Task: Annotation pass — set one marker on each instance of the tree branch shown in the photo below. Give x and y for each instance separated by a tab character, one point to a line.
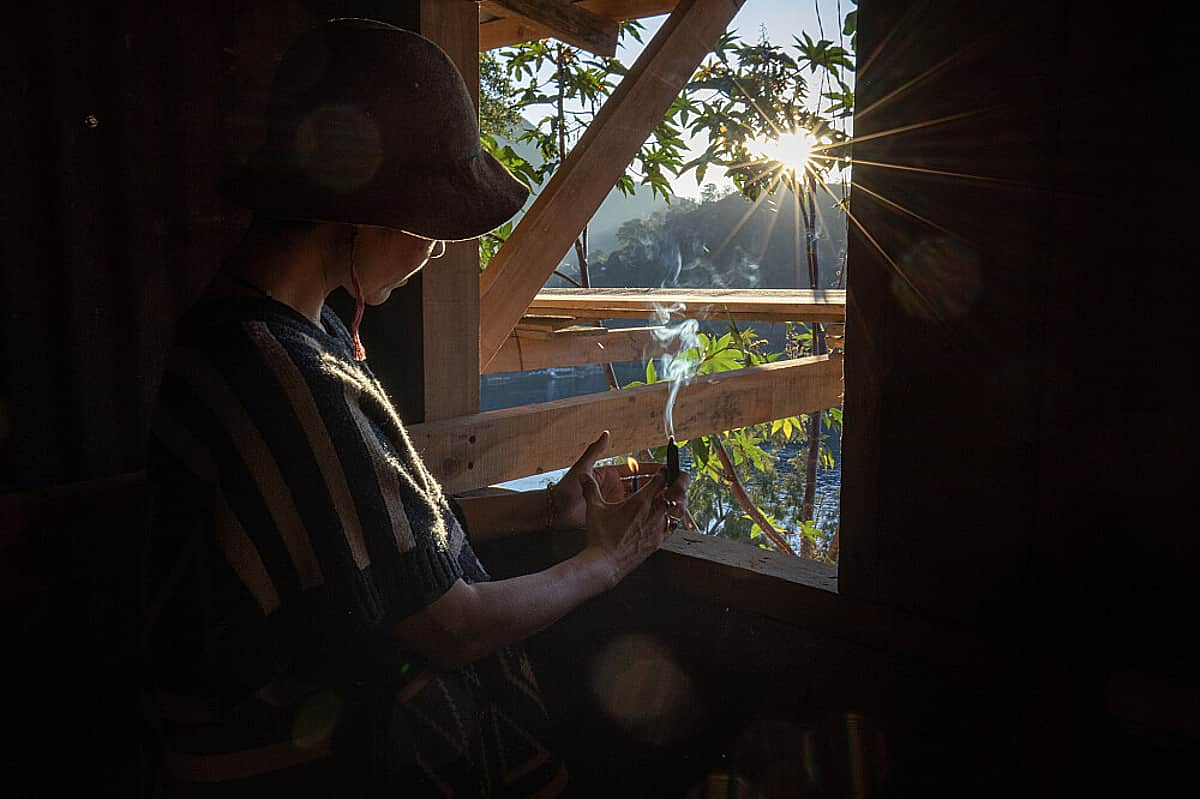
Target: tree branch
568	278
743	498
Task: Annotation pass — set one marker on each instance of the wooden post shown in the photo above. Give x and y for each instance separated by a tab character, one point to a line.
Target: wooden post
450	285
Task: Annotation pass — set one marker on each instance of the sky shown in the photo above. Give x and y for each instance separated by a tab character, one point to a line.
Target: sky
782	19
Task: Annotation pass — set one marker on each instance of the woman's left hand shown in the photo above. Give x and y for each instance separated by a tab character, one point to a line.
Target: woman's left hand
568	510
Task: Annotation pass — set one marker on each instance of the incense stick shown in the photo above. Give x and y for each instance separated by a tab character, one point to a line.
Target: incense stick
672	460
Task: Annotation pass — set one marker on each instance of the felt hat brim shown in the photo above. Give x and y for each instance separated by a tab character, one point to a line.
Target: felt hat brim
457	202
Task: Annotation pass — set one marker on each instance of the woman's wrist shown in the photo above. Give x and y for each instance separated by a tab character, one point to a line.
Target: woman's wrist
600	567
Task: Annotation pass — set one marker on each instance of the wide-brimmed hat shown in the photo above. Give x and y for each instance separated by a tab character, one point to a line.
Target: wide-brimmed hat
371	124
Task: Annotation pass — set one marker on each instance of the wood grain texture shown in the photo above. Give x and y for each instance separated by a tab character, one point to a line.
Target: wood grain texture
522	265
450	285
773	305
571	347
563	20
468	452
498	29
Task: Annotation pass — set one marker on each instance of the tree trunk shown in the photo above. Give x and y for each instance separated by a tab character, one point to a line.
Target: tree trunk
743	498
818	348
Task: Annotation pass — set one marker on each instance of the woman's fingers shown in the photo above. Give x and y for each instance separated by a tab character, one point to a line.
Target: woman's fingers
592	494
594	451
612	487
649	501
679	487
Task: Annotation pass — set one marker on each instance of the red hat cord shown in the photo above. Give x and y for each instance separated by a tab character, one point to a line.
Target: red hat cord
360	353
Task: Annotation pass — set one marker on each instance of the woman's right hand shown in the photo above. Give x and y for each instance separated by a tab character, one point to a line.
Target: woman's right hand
629	531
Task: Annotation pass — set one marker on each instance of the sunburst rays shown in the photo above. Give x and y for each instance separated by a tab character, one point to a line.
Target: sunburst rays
804	162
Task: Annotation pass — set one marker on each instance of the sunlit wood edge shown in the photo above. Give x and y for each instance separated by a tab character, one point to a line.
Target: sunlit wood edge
468	452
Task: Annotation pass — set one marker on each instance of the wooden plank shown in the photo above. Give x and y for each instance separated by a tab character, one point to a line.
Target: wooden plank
527	259
496	29
545	323
570	348
768	305
563	20
573	329
468	452
765	562
450	285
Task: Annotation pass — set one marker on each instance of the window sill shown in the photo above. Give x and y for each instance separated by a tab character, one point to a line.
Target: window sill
760	562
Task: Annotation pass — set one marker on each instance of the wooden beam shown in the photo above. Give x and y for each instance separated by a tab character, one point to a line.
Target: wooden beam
473	451
527	259
563	20
450	285
569	348
544	323
766	305
497	29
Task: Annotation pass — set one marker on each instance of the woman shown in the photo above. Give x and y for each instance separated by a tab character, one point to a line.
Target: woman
318	621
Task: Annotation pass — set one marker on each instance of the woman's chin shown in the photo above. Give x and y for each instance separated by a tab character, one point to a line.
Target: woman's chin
379	297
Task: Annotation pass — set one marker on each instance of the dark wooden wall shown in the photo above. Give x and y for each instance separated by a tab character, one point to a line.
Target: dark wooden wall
1019	436
1020	380
120	121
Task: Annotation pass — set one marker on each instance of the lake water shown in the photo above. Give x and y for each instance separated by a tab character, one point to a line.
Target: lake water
508	389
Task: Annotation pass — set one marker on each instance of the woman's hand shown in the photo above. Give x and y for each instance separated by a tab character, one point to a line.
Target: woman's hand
568	510
627	532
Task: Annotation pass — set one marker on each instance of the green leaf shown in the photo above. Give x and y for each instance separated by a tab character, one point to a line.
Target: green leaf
851	26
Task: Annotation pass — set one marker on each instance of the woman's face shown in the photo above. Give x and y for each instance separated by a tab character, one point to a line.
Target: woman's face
386	259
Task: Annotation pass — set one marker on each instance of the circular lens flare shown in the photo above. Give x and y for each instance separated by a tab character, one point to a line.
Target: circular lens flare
791	150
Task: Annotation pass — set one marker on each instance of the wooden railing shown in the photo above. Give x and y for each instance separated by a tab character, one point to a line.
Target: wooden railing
762	305
477	450
467	452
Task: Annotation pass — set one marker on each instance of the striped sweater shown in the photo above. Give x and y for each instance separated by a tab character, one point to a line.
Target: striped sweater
293	526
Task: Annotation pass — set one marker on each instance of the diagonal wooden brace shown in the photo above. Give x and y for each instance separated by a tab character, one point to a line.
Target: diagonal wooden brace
547	230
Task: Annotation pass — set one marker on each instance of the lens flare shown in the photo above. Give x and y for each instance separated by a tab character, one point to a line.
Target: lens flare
791	150
639	684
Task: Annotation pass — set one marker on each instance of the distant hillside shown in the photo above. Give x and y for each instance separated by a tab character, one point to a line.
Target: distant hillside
729	243
641	240
612	213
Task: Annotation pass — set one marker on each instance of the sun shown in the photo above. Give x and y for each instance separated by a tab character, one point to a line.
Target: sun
791	150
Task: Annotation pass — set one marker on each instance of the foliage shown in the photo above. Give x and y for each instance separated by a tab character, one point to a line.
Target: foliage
497	117
754	449
744	95
545	93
